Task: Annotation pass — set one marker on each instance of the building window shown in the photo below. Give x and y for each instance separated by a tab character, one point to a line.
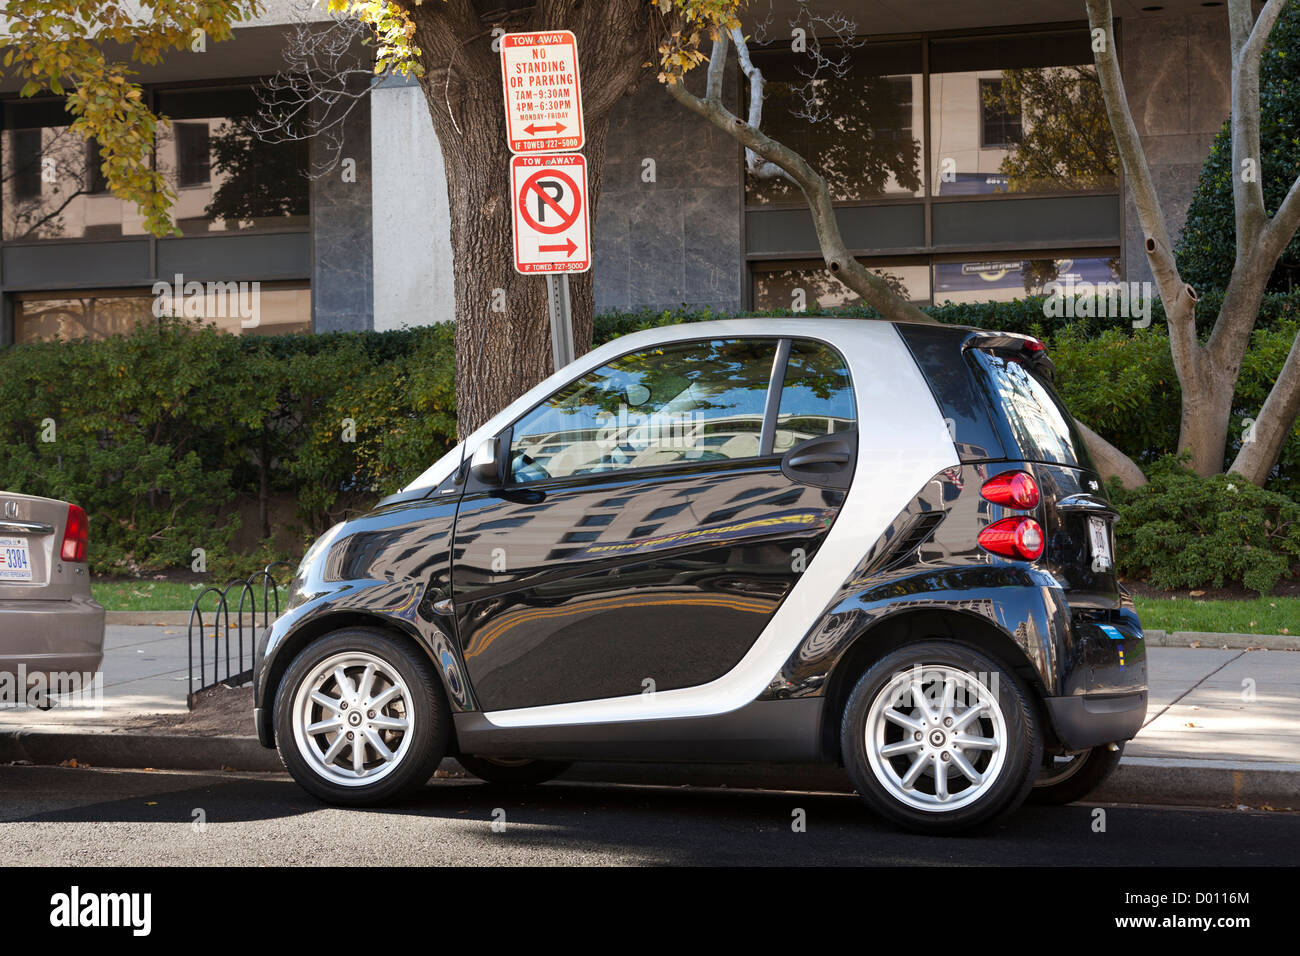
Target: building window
1000	116
25	146
808	287
95	181
236	308
789	285
193	154
1008	278
1021	113
862	130
232	179
225	177
53	183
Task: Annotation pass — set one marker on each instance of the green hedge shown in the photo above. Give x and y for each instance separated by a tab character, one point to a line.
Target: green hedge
1183	531
158	433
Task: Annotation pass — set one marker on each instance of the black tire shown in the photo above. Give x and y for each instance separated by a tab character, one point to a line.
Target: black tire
424	706
1013	765
1072	781
514	772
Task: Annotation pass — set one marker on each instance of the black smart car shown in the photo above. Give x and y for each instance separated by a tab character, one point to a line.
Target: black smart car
881	545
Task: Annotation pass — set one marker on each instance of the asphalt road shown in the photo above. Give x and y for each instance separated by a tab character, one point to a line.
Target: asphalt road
65	816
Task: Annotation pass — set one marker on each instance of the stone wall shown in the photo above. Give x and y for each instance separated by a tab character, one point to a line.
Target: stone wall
1177	72
342	267
412	221
678	239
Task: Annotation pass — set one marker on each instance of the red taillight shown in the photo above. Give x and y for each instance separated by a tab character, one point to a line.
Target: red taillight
75	535
1015	489
1033	345
1020	538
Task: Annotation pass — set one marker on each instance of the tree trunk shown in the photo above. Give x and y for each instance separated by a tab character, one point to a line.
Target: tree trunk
503	340
1262	445
1110	461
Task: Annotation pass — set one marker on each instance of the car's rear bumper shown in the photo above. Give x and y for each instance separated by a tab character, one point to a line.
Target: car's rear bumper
46	637
1103	681
1089	720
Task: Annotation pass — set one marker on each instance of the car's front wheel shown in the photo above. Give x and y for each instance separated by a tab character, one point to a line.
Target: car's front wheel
361	718
937	737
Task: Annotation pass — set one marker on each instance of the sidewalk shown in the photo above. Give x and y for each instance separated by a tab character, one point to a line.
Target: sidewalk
1223	727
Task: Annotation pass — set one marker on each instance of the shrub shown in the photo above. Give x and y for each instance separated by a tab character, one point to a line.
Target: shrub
156	433
1184	531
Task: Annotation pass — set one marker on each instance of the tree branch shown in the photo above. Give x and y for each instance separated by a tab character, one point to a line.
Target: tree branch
1247	42
1179	298
874	290
1273	424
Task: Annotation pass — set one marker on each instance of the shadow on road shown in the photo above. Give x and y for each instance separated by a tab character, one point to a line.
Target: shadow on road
566	822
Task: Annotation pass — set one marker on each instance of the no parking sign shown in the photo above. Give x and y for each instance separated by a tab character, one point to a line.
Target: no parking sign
551	219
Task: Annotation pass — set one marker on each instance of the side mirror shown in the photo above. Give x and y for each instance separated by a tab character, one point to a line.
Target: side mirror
486	463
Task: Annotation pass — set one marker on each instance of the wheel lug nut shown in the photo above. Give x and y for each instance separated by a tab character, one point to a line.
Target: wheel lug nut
349	735
947	721
944	756
917	735
345	705
370	714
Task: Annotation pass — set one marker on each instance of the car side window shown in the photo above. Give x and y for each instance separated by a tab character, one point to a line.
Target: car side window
816	396
688	401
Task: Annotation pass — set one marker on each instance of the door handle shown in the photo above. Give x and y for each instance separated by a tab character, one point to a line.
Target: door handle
819	458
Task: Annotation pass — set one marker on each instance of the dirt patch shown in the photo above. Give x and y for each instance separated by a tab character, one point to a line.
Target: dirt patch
1283	589
219	711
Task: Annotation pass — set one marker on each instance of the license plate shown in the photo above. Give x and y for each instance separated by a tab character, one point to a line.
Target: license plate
1099	533
15	560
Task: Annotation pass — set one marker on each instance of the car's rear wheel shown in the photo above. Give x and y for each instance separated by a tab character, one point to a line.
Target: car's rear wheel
360	718
509	770
938	737
1074	776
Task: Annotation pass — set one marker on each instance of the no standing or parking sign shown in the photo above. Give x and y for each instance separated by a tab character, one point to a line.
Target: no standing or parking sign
543	92
552	224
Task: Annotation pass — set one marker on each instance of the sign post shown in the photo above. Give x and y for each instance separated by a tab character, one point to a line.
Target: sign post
548	182
557	294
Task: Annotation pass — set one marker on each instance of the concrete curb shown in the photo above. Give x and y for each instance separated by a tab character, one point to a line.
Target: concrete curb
149	618
1205	783
133	750
1270	642
1139	780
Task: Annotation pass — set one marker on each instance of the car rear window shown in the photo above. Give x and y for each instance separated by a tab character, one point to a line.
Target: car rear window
1036	420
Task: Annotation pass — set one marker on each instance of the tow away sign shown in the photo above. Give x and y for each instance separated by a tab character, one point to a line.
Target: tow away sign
543	92
549	198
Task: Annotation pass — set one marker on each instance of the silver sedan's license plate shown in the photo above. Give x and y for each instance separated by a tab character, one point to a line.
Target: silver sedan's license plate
1099	533
15	560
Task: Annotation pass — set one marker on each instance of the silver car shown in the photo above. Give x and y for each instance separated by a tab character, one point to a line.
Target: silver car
49	624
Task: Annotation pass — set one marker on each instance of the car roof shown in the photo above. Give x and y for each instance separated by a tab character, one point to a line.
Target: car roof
816	325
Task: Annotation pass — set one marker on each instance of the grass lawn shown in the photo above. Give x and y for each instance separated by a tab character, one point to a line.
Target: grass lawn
164	596
1268	615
